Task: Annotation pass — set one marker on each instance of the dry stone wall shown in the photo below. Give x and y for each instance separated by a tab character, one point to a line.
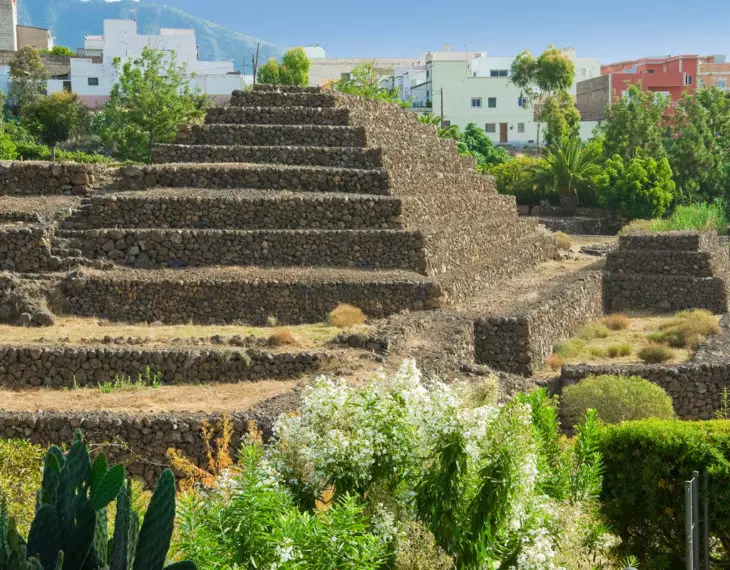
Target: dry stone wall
26	248
23	366
278	116
696	389
273	135
33	178
152	248
520	342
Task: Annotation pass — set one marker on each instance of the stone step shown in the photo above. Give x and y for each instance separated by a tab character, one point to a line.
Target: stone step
256	176
206	209
642	261
278	116
339	157
250	295
160	248
285	88
281	99
273	135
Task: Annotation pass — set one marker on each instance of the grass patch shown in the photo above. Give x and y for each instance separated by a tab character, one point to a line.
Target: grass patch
656	354
563	241
21	469
593	330
344	315
616	322
619	350
570	348
147	379
597	352
700	217
687	329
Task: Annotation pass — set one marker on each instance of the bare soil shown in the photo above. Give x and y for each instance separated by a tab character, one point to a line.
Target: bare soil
196	398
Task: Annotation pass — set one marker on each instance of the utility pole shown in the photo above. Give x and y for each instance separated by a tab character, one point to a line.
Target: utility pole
442	107
255	62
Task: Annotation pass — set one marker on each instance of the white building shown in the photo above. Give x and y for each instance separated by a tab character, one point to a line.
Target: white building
93	77
473	87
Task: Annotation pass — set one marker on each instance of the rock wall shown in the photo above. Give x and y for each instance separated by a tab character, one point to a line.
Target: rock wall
272	135
520	342
443	196
25	248
581	226
696	389
23	366
32	178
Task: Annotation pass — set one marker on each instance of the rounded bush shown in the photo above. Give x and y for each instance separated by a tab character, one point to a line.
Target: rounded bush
616	399
655	354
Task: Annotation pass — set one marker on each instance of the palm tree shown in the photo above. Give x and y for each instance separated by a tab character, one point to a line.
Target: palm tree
566	168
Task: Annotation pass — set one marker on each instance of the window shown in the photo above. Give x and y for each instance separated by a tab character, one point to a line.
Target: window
521	102
722	83
499	73
476	102
688	80
93	81
67	86
428	74
492	102
700	83
445	124
490	128
520	127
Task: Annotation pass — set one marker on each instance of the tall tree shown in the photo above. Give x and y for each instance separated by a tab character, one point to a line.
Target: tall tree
294	69
268	72
541	78
28	79
635	124
699	148
149	102
562	119
54	119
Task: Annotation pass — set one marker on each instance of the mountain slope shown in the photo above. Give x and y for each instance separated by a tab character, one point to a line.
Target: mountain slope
70	20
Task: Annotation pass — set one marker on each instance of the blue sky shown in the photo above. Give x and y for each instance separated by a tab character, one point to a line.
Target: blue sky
609	30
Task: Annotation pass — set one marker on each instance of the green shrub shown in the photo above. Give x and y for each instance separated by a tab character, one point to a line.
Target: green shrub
687	329
616	399
593	330
8	150
616	322
597	352
646	465
699	216
655	354
21	468
617	350
517	178
570	348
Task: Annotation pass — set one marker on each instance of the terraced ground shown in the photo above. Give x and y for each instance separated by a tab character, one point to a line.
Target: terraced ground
281	206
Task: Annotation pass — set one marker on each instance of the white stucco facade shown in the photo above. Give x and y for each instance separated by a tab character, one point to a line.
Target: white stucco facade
93	81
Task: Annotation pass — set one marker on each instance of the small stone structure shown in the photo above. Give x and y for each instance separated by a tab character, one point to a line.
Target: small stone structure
667	272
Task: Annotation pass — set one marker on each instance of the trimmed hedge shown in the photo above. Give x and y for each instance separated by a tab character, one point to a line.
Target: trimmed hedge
646	465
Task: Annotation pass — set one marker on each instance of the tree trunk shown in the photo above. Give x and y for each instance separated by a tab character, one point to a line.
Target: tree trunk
568	201
53	153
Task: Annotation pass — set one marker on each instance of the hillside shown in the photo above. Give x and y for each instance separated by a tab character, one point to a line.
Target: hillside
70	20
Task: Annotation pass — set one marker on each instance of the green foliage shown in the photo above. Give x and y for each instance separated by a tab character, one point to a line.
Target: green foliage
294	69
268	72
655	354
21	468
646	465
54	118
687	329
562	119
8	150
69	530
640	187
148	104
568	168
517	178
363	82
28	79
634	126
698	216
616	399
474	142
59	50
699	145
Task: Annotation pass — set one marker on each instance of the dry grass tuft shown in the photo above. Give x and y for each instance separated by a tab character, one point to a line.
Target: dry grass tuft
636	227
687	329
554	362
563	240
282	337
344	315
656	353
593	330
619	350
616	322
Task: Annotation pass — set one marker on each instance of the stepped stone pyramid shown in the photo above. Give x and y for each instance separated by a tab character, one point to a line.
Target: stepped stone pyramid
286	203
667	272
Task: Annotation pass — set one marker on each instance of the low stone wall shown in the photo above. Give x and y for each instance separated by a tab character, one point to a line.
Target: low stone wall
663	293
139	441
24	248
669	241
33	178
23	366
272	135
641	261
139	298
264	177
281	99
337	157
152	248
696	389
520	342
581	226
297	211
278	116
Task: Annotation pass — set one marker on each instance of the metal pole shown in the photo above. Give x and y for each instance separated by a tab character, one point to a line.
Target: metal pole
688	524
696	519
706	519
442	107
